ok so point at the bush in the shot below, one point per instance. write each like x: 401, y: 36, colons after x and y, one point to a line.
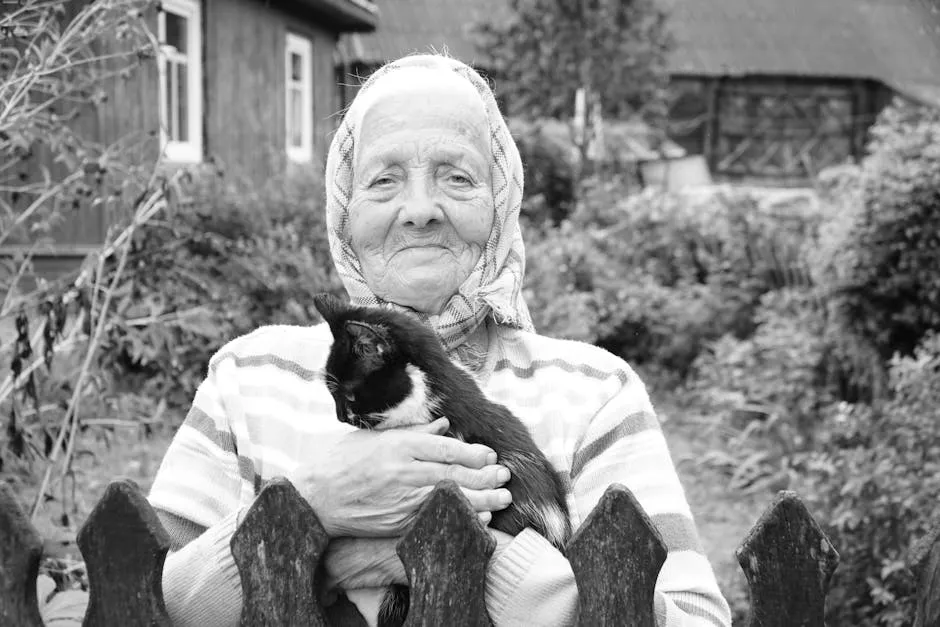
x: 550, y: 162
x: 888, y: 288
x: 779, y: 370
x: 875, y: 484
x: 232, y: 261
x: 559, y: 290
x: 655, y: 277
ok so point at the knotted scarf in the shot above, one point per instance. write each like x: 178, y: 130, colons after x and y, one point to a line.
x: 494, y: 286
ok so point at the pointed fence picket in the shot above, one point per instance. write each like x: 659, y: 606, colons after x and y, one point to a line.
x: 616, y: 556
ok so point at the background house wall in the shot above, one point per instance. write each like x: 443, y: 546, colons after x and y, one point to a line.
x: 245, y: 83
x: 128, y: 113
x: 777, y: 130
x: 243, y: 48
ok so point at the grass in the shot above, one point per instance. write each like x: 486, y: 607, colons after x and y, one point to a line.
x: 723, y: 516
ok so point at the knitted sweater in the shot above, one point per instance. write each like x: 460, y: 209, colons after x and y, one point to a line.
x: 262, y: 406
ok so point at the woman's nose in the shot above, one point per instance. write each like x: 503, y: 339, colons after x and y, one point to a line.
x: 420, y: 208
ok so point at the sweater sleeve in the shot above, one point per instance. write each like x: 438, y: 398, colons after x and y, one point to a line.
x: 531, y: 583
x: 197, y: 494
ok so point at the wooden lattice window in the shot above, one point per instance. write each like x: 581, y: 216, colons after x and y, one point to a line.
x: 782, y: 131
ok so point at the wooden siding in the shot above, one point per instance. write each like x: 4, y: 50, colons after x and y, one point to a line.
x: 129, y: 113
x: 245, y: 85
x: 243, y: 104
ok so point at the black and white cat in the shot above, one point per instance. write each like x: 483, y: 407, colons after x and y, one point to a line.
x: 387, y: 369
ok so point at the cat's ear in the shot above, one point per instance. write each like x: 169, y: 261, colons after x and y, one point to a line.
x: 370, y: 342
x: 329, y: 307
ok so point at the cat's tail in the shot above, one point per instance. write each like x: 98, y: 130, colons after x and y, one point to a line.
x: 538, y: 497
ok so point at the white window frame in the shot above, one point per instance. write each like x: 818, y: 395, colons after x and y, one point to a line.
x: 189, y: 151
x: 302, y: 47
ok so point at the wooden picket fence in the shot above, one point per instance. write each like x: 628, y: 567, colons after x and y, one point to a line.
x: 616, y: 556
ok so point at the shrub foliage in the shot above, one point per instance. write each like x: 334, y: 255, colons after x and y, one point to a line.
x: 890, y: 292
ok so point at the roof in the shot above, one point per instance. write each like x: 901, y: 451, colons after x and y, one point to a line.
x: 409, y: 26
x: 894, y: 41
x: 878, y: 39
x: 350, y: 16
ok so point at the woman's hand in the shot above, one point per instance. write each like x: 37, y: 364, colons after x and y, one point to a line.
x: 352, y: 563
x: 371, y: 483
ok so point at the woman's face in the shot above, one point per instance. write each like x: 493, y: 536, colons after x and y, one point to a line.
x: 422, y: 202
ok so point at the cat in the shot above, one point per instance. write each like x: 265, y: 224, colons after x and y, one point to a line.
x: 387, y: 369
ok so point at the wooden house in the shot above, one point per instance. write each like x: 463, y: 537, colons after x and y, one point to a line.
x: 261, y: 79
x: 769, y: 91
x: 250, y: 84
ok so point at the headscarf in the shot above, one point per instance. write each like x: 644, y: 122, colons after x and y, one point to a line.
x: 494, y: 286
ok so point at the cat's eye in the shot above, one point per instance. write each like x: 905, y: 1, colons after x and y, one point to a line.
x: 350, y: 397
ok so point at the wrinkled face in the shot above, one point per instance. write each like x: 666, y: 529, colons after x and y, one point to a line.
x: 422, y: 202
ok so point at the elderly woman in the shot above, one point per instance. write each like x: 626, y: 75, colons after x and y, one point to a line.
x: 424, y: 185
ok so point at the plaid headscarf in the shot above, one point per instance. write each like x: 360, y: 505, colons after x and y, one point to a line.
x: 494, y: 287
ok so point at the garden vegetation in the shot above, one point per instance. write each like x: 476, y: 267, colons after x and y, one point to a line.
x: 808, y: 329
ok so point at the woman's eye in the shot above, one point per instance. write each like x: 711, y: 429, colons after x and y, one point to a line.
x: 383, y: 181
x: 460, y: 179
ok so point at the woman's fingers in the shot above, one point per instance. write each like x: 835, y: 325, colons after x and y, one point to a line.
x: 486, y: 478
x: 488, y: 500
x: 444, y: 450
x: 363, y: 562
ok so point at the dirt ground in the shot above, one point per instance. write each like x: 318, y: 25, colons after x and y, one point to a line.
x: 723, y: 516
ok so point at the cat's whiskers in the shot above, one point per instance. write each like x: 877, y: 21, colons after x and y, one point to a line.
x: 332, y: 383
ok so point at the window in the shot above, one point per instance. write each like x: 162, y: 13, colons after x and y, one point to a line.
x: 299, y: 73
x: 179, y: 29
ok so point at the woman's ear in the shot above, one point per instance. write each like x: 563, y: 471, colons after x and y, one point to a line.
x: 370, y: 342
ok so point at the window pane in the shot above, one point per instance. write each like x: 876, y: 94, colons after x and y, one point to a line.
x: 295, y: 123
x: 170, y: 74
x: 176, y: 26
x: 296, y: 67
x: 183, y: 102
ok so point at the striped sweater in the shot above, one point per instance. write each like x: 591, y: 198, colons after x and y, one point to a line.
x: 262, y: 406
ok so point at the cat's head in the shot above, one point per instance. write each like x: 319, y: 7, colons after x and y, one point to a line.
x: 368, y: 370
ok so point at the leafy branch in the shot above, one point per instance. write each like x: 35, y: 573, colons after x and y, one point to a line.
x: 57, y: 63
x: 580, y: 61
x: 70, y: 422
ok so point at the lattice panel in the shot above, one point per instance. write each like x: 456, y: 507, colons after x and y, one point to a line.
x: 782, y: 132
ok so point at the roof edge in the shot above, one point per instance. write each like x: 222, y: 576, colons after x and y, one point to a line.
x: 350, y: 16
x: 927, y: 94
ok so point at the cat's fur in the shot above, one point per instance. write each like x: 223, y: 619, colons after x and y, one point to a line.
x: 387, y: 369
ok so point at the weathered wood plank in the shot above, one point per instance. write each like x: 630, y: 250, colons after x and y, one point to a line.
x: 445, y: 553
x: 20, y: 551
x: 788, y: 562
x: 616, y: 556
x: 925, y: 562
x: 124, y: 546
x: 278, y: 548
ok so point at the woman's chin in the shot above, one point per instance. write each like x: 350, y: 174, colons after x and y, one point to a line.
x: 426, y: 295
